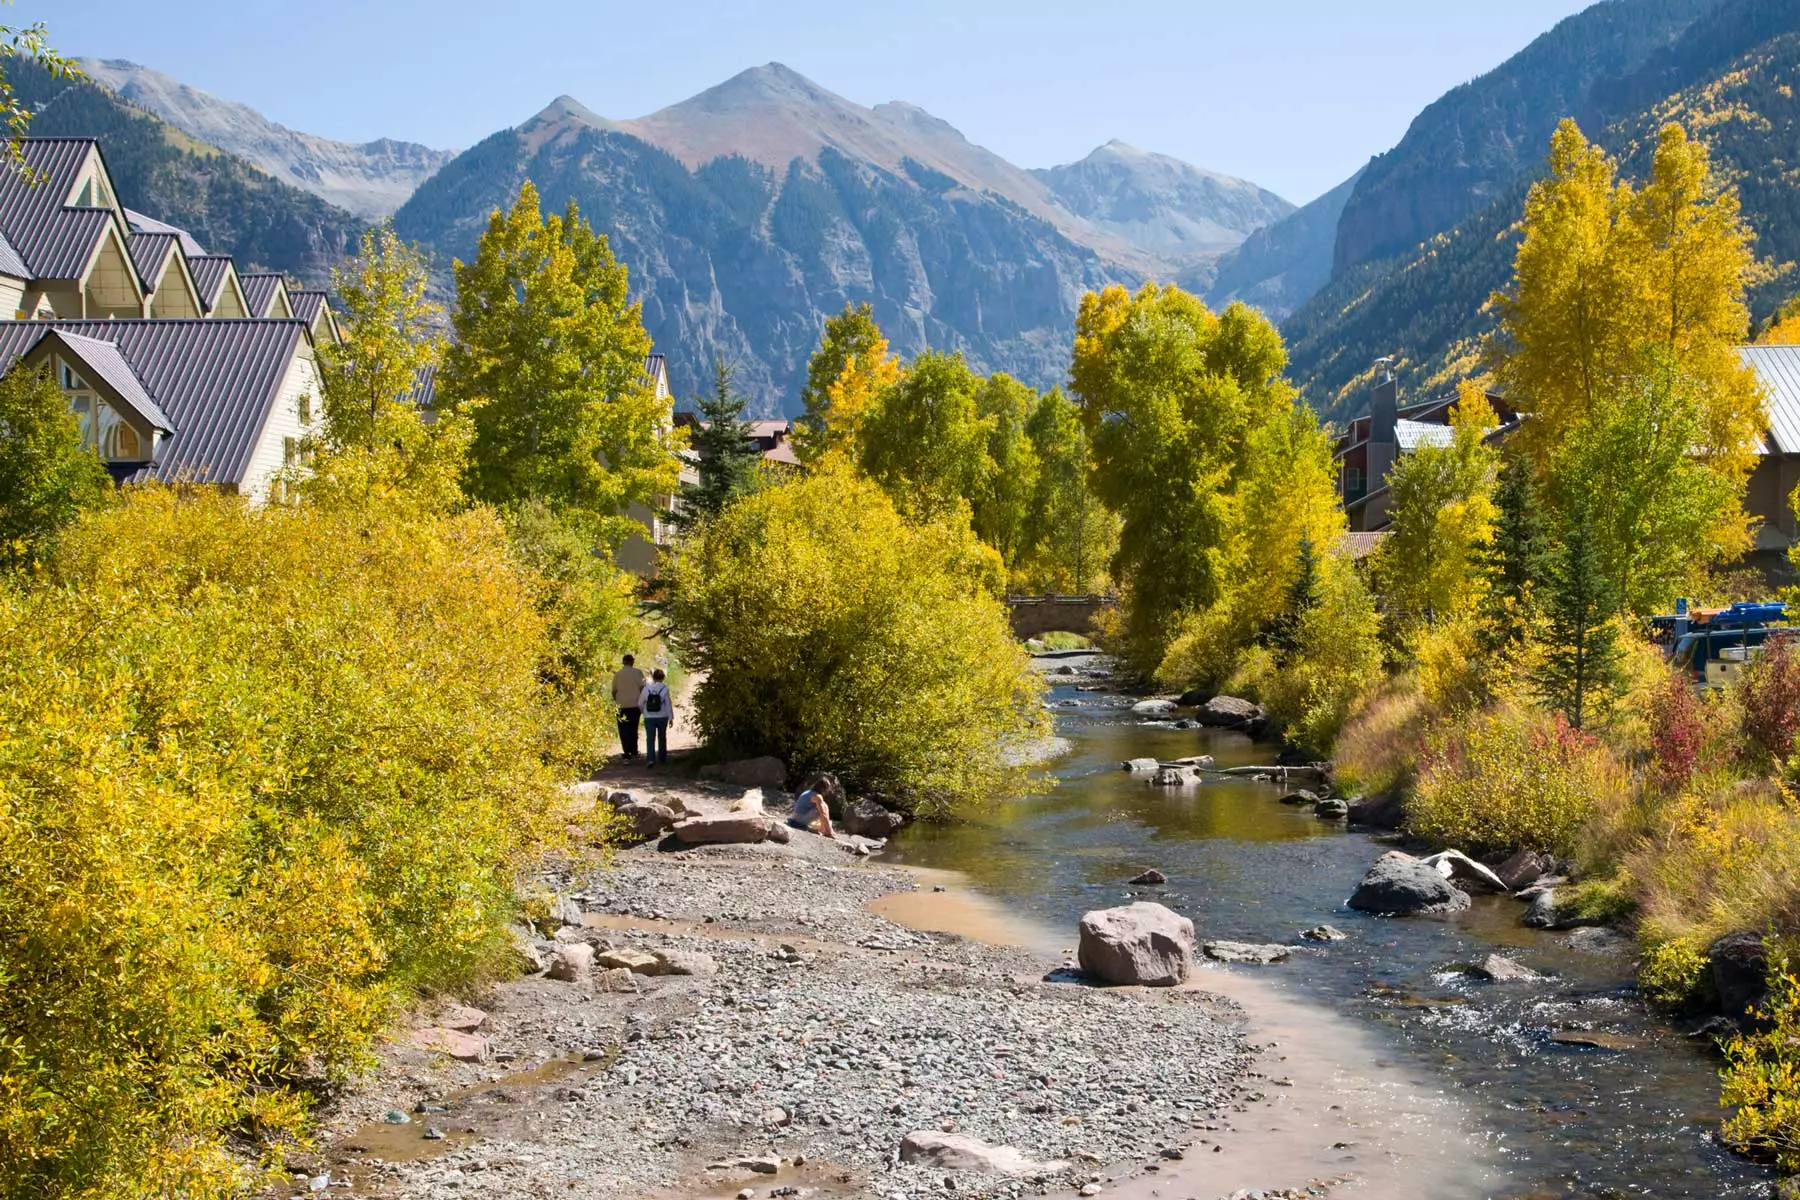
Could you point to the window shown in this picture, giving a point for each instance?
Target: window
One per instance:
(102, 428)
(290, 451)
(1353, 482)
(306, 410)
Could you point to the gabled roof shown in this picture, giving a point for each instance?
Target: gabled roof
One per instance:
(103, 360)
(216, 380)
(424, 389)
(1412, 434)
(141, 224)
(54, 241)
(307, 305)
(150, 254)
(1778, 367)
(209, 272)
(10, 262)
(260, 289)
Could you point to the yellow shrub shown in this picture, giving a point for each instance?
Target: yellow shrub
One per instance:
(1336, 660)
(1451, 667)
(1205, 651)
(1379, 747)
(260, 772)
(1762, 1075)
(840, 637)
(1509, 779)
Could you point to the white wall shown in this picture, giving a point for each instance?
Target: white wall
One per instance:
(283, 422)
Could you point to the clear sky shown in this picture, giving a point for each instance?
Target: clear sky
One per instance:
(1294, 94)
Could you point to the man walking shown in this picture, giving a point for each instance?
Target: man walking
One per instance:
(627, 687)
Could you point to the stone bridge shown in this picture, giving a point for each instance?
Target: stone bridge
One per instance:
(1034, 616)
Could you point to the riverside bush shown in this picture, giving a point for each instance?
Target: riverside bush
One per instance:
(1769, 691)
(1511, 778)
(1762, 1073)
(1379, 747)
(262, 772)
(840, 637)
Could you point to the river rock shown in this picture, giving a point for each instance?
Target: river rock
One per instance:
(866, 818)
(1153, 708)
(1400, 885)
(1230, 712)
(637, 961)
(572, 962)
(1140, 943)
(645, 820)
(1300, 798)
(1497, 968)
(1331, 809)
(522, 953)
(1384, 810)
(959, 1152)
(1521, 868)
(1175, 777)
(462, 1018)
(1550, 909)
(683, 962)
(1738, 965)
(1246, 952)
(734, 828)
(1140, 766)
(1195, 760)
(1590, 939)
(765, 772)
(1193, 697)
(463, 1047)
(1465, 872)
(1324, 933)
(1150, 878)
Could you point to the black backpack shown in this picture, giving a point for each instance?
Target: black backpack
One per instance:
(653, 702)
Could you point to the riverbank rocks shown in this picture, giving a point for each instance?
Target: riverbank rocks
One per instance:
(572, 962)
(1137, 944)
(866, 818)
(1230, 712)
(765, 772)
(1153, 708)
(1738, 965)
(1399, 885)
(645, 820)
(1497, 968)
(1465, 872)
(1150, 878)
(1172, 776)
(1246, 952)
(1552, 908)
(959, 1152)
(1324, 933)
(1331, 809)
(1301, 798)
(725, 828)
(1522, 868)
(1140, 766)
(1384, 810)
(1193, 698)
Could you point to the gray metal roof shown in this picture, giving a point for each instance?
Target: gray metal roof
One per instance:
(1778, 367)
(141, 224)
(55, 242)
(1413, 434)
(215, 379)
(209, 271)
(424, 389)
(10, 262)
(150, 254)
(260, 288)
(102, 359)
(307, 304)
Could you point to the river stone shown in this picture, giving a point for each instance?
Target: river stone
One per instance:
(1142, 943)
(732, 828)
(1246, 952)
(1466, 873)
(1300, 798)
(1400, 885)
(765, 772)
(1551, 910)
(1595, 940)
(463, 1047)
(959, 1152)
(637, 961)
(1384, 810)
(645, 819)
(462, 1018)
(1522, 868)
(572, 963)
(1150, 878)
(1331, 809)
(1193, 697)
(1738, 964)
(1230, 712)
(1140, 766)
(1324, 933)
(1497, 968)
(1175, 777)
(866, 818)
(683, 962)
(1153, 708)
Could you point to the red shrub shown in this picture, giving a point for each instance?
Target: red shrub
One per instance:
(1679, 729)
(1770, 692)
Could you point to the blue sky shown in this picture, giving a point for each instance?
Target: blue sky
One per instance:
(1294, 94)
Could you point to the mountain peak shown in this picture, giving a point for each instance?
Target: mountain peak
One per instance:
(566, 110)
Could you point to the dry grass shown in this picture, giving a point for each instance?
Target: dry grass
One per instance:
(1381, 744)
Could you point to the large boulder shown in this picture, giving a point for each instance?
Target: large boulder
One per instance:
(728, 828)
(1497, 968)
(644, 820)
(959, 1152)
(1399, 885)
(1331, 809)
(765, 772)
(1143, 944)
(572, 962)
(1193, 697)
(865, 818)
(1466, 873)
(1738, 964)
(1153, 708)
(1384, 810)
(1522, 868)
(1231, 712)
(1171, 776)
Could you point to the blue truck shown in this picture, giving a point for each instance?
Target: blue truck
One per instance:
(1715, 645)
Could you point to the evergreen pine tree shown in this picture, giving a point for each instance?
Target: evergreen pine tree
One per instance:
(1515, 559)
(729, 462)
(1303, 593)
(1580, 675)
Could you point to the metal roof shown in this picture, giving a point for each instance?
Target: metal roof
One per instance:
(1778, 367)
(424, 389)
(10, 262)
(103, 359)
(307, 304)
(260, 288)
(141, 224)
(209, 271)
(215, 379)
(150, 254)
(55, 241)
(1412, 434)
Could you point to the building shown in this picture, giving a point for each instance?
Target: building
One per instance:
(1769, 497)
(1368, 450)
(773, 438)
(180, 368)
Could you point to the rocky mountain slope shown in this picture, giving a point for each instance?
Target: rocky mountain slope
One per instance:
(1281, 266)
(752, 211)
(1731, 79)
(230, 205)
(369, 180)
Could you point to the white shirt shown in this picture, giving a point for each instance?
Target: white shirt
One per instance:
(653, 688)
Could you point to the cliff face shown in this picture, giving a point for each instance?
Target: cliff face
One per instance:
(1280, 267)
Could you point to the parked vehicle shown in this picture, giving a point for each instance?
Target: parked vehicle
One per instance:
(1714, 646)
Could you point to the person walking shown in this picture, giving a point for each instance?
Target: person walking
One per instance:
(628, 690)
(659, 709)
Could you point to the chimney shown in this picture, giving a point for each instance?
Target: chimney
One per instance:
(1384, 414)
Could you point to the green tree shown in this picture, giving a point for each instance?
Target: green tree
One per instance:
(1514, 562)
(1441, 519)
(47, 477)
(1579, 676)
(548, 362)
(924, 441)
(29, 43)
(845, 376)
(1283, 636)
(1071, 534)
(391, 334)
(730, 465)
(1003, 497)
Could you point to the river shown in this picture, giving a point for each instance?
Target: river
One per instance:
(1536, 1118)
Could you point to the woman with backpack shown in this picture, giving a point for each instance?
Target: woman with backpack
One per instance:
(658, 710)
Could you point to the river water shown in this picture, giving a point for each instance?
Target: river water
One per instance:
(1547, 1119)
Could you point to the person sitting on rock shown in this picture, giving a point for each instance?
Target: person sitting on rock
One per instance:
(812, 810)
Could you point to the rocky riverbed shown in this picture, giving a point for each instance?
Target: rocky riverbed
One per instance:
(809, 1039)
